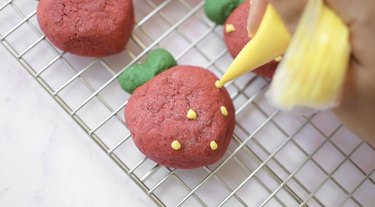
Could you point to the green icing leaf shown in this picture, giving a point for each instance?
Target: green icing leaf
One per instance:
(219, 10)
(136, 75)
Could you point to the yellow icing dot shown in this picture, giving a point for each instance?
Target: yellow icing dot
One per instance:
(176, 145)
(229, 28)
(224, 111)
(218, 84)
(191, 114)
(278, 58)
(213, 145)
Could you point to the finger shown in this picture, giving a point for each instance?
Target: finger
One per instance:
(290, 11)
(256, 12)
(348, 10)
(359, 16)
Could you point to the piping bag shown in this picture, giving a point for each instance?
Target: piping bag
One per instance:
(315, 60)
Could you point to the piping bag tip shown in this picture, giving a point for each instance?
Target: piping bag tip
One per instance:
(219, 84)
(270, 41)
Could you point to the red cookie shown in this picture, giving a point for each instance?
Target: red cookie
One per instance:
(84, 27)
(156, 115)
(235, 36)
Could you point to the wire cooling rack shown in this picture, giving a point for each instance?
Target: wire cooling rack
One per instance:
(274, 159)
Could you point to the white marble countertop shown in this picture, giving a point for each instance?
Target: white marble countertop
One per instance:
(46, 159)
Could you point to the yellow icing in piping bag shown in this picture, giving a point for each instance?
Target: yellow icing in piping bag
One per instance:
(270, 41)
(313, 69)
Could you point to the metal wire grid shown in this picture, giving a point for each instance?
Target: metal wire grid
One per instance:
(275, 158)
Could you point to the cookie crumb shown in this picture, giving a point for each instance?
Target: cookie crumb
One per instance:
(191, 114)
(224, 111)
(229, 28)
(176, 145)
(213, 145)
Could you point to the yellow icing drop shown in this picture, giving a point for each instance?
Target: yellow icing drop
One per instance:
(213, 145)
(191, 114)
(218, 84)
(229, 28)
(224, 111)
(176, 145)
(278, 58)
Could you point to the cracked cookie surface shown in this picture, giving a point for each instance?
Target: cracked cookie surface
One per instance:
(156, 115)
(88, 28)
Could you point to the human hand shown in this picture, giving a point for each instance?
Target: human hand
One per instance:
(357, 106)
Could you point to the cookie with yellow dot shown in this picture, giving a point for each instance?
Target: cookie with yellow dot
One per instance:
(179, 118)
(236, 37)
